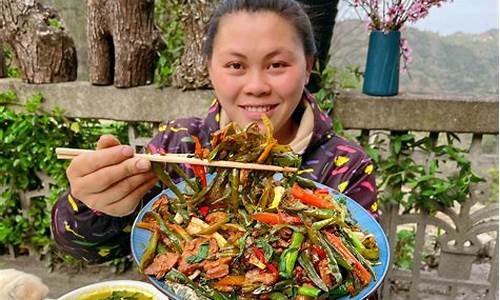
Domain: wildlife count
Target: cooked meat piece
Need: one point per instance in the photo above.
(255, 275)
(212, 264)
(285, 233)
(282, 243)
(217, 272)
(162, 264)
(191, 248)
(215, 217)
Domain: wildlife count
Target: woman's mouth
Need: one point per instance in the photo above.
(255, 111)
(258, 108)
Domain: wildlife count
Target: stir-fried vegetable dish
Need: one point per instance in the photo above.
(247, 235)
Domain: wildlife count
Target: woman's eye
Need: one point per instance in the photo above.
(235, 66)
(276, 65)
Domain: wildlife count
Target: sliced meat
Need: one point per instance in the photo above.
(216, 217)
(162, 264)
(191, 248)
(256, 276)
(218, 268)
(217, 272)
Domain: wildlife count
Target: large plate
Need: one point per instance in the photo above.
(140, 238)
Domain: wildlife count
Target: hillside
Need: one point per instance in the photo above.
(458, 63)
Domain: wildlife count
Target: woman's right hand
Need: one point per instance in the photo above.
(110, 180)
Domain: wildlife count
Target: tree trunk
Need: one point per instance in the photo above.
(192, 72)
(42, 46)
(122, 38)
(3, 67)
(322, 14)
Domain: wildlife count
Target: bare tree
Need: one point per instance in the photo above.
(43, 48)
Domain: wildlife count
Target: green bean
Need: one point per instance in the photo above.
(235, 184)
(289, 256)
(213, 228)
(308, 291)
(182, 174)
(332, 261)
(341, 260)
(150, 251)
(320, 224)
(308, 267)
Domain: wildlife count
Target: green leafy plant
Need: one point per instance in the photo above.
(405, 246)
(168, 21)
(55, 23)
(13, 70)
(418, 185)
(29, 137)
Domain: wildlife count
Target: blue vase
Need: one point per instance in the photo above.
(382, 64)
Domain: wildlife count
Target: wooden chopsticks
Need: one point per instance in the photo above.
(70, 153)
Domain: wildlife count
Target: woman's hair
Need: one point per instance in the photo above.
(290, 10)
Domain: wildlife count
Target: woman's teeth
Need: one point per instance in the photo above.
(265, 108)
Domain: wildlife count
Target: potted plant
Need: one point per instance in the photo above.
(386, 18)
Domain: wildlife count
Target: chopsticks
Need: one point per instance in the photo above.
(70, 153)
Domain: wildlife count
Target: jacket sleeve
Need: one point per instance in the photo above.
(89, 235)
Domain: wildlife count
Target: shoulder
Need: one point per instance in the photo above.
(335, 155)
(175, 136)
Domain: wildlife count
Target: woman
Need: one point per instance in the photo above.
(260, 54)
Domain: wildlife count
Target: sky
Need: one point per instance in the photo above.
(467, 16)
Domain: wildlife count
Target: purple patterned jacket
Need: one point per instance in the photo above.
(96, 237)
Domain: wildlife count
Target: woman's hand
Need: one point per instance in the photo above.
(110, 180)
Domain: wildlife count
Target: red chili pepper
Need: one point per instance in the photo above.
(272, 268)
(260, 254)
(199, 171)
(321, 191)
(275, 219)
(309, 198)
(204, 210)
(319, 252)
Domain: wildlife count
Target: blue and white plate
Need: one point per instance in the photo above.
(140, 238)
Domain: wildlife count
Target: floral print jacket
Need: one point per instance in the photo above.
(96, 237)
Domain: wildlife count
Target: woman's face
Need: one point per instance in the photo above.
(258, 65)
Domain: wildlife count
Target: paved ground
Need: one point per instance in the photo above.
(61, 282)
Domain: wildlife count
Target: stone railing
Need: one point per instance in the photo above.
(469, 230)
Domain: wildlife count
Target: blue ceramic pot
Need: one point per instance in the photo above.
(382, 64)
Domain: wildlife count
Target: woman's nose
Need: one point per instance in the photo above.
(257, 84)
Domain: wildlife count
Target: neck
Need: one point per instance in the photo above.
(287, 133)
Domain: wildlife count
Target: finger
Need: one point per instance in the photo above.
(118, 191)
(128, 204)
(106, 141)
(122, 188)
(104, 178)
(90, 162)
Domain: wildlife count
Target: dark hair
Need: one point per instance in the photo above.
(290, 10)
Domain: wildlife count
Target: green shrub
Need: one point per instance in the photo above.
(28, 138)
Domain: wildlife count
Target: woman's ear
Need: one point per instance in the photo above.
(309, 66)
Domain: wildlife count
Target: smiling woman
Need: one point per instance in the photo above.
(259, 54)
